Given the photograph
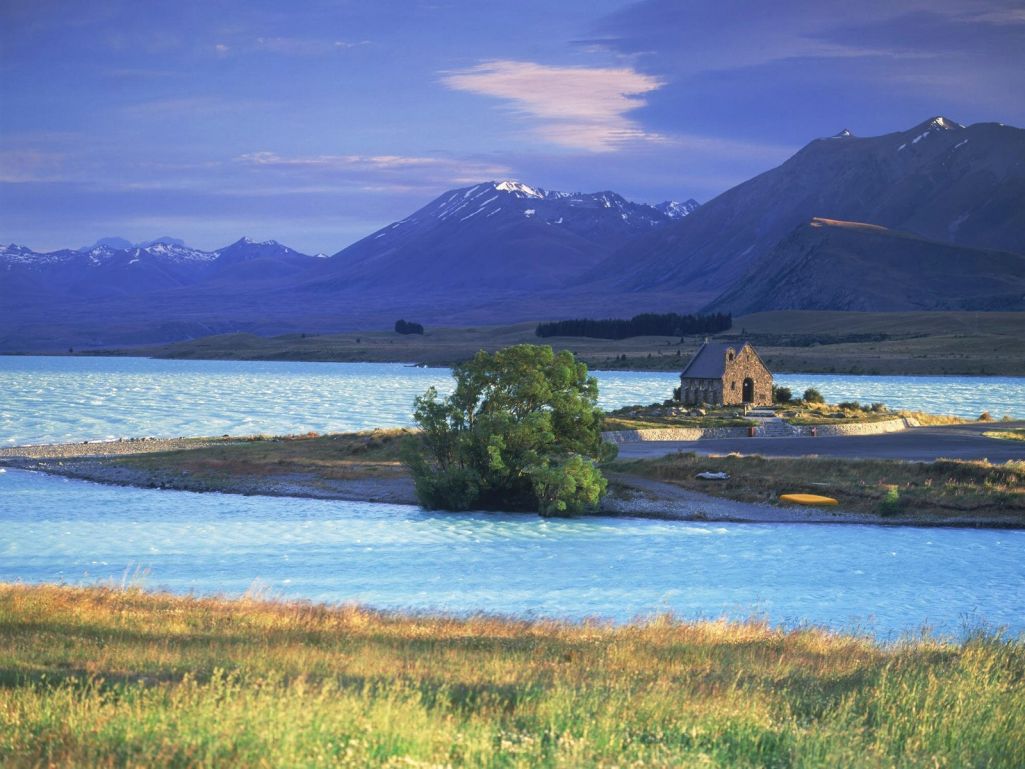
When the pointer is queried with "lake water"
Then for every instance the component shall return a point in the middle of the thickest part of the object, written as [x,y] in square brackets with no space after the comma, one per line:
[57,399]
[886,581]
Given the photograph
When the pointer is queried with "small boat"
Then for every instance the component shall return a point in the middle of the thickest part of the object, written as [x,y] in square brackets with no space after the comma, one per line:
[808,499]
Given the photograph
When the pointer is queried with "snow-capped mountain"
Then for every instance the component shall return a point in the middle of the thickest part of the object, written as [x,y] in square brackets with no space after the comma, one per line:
[676,210]
[104,270]
[498,234]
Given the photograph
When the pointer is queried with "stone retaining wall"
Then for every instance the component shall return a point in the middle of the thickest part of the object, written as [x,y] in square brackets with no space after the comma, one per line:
[673,434]
[698,433]
[859,428]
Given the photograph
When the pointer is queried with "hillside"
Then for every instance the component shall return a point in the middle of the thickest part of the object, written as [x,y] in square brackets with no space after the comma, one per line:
[939,180]
[832,265]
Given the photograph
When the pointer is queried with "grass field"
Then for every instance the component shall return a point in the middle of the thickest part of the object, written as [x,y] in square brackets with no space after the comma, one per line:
[924,490]
[98,677]
[819,342]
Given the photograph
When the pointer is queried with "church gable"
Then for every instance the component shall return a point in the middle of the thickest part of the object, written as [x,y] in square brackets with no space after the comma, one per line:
[726,373]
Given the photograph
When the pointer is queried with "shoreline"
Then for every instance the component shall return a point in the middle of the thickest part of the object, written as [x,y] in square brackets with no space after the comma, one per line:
[629,495]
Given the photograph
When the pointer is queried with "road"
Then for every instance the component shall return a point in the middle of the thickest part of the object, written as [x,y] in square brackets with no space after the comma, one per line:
[918,444]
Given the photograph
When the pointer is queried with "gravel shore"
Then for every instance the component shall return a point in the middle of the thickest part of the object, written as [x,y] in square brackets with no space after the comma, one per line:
[122,447]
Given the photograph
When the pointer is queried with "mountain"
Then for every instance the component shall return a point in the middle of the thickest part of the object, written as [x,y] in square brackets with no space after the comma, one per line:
[499,235]
[105,271]
[675,210]
[120,244]
[832,265]
[940,180]
[928,218]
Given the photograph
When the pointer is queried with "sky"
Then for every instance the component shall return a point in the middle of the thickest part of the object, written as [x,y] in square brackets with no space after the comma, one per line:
[315,123]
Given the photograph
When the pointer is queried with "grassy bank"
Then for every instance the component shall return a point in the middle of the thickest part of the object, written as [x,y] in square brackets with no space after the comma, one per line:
[924,491]
[814,342]
[340,456]
[109,678]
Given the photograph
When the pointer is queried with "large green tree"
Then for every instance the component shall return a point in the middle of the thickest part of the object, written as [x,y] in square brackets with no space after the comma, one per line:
[521,431]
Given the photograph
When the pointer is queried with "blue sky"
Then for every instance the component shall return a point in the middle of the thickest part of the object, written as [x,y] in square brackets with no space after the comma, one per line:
[315,123]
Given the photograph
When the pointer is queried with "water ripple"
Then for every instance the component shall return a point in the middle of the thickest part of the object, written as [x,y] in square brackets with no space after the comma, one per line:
[63,399]
[884,580]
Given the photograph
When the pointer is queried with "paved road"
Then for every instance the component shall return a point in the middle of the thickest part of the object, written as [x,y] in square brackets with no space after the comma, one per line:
[920,444]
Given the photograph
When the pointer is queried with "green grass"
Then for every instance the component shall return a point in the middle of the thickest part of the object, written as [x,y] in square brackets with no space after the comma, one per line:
[124,679]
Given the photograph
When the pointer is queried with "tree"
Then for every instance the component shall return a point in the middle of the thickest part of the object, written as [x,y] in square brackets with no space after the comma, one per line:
[408,327]
[521,431]
[781,394]
[811,395]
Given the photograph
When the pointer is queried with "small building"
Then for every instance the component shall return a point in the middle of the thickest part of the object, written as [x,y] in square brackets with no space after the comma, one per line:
[727,373]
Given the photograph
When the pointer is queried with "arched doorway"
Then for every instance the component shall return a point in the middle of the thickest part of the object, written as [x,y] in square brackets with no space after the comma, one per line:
[749,390]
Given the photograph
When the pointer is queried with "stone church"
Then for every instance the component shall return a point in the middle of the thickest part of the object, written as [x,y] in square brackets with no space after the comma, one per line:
[727,373]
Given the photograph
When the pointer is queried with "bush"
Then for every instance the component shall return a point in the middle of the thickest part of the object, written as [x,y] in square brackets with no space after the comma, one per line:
[985,416]
[404,327]
[892,502]
[849,406]
[782,394]
[811,395]
[521,431]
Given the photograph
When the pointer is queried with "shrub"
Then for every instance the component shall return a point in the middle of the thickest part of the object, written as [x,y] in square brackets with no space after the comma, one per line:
[892,502]
[985,416]
[405,327]
[521,431]
[782,394]
[811,395]
[849,406]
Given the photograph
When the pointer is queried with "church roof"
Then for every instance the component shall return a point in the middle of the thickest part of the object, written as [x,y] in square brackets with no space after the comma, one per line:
[709,362]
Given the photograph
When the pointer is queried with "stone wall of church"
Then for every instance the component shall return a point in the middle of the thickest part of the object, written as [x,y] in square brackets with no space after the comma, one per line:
[746,365]
[695,392]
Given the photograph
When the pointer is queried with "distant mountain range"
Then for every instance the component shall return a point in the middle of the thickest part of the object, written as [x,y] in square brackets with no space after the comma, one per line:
[502,236]
[929,218]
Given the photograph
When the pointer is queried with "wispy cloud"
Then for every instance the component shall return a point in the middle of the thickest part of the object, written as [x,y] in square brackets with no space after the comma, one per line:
[579,107]
[297,46]
[285,46]
[408,170]
[31,166]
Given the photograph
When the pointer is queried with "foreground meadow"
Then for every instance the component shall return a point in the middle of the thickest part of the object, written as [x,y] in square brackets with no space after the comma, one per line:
[101,677]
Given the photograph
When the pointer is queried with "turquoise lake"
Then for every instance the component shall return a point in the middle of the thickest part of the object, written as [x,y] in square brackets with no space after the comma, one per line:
[884,581]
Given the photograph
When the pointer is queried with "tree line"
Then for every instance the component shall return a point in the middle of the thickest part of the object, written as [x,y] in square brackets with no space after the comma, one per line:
[646,324]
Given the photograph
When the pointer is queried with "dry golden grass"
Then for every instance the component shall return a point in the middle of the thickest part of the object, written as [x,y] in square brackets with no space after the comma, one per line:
[342,456]
[925,491]
[96,677]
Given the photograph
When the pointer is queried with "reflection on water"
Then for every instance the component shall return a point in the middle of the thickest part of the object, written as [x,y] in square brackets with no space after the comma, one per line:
[47,399]
[885,580]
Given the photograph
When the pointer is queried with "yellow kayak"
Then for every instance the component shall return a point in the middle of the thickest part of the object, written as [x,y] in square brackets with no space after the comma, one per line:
[808,499]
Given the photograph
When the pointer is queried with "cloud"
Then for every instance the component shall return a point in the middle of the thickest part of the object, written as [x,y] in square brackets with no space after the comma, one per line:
[296,46]
[377,172]
[577,107]
[29,165]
